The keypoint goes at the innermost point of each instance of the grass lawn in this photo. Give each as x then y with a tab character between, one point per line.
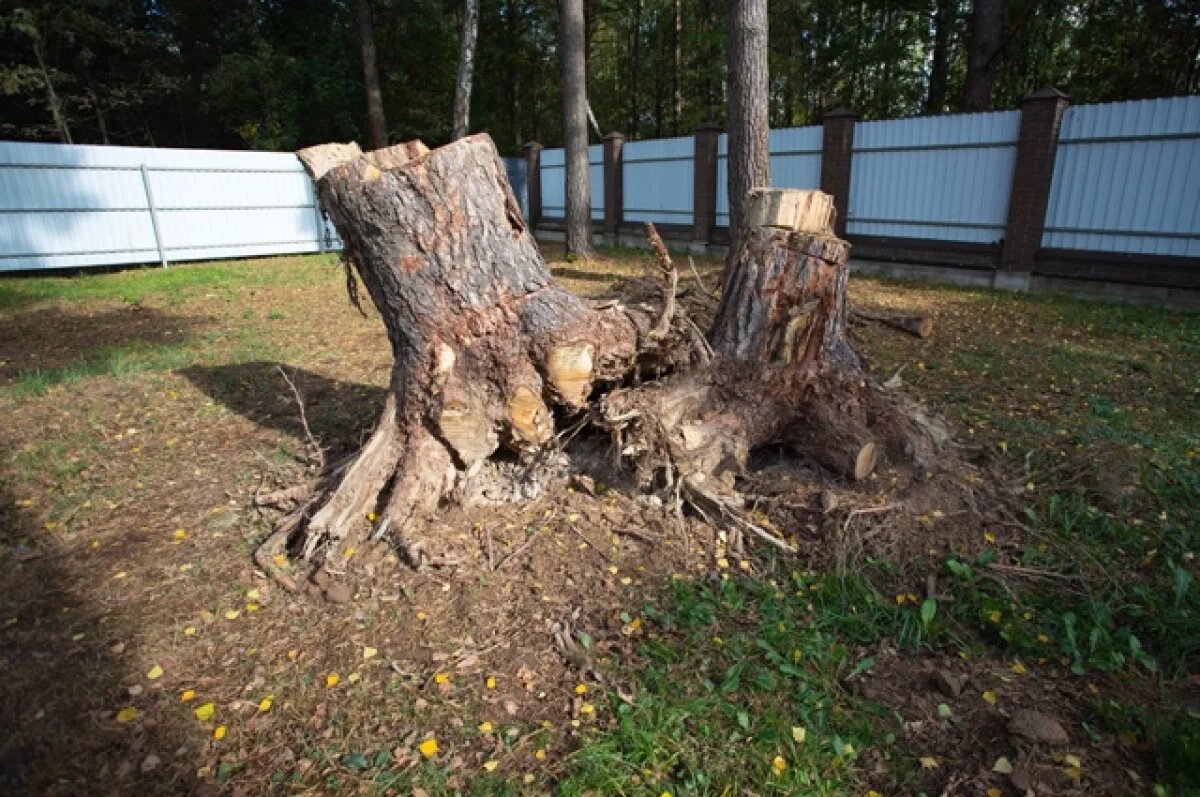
142	653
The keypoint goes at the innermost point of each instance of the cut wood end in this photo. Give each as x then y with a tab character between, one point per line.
791	209
925	327
531	420
569	372
320	159
864	463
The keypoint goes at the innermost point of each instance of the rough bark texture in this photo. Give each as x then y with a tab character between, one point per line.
466	68
489	352
987	20
578	190
376	126
749	164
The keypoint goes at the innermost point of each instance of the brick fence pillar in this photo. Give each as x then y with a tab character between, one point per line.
704	185
533	184
1033	172
836	144
614	185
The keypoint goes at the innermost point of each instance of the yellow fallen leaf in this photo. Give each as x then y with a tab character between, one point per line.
332	680
901	598
993	792
1074	773
205	712
429	747
587	708
779	766
441	678
232	614
354	678
369	653
1072	760
127	714
928	762
180	535
219	732
490	765
422	615
264	705
348	552
252	594
581	689
798	734
251	608
994	616
540	755
1003	766
187	695
280	559
485	727
189	631
490	683
1019	668
989	697
293	654
155	673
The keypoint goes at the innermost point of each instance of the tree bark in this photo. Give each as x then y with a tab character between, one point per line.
489	351
749	164
466	68
376	125
939	68
987	21
578	189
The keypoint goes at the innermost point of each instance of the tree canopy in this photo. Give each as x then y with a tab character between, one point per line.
270	74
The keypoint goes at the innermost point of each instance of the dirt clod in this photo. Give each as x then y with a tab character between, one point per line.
950	684
338	593
1037	727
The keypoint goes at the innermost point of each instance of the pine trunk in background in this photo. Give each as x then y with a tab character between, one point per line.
987	21
749	163
466	68
944	15
364	27
578	189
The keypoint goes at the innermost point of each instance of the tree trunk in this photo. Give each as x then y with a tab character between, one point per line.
376	126
749	164
987	20
466	68
489	352
939	68
578	189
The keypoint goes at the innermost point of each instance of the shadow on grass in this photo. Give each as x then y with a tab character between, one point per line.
65	678
52	344
339	413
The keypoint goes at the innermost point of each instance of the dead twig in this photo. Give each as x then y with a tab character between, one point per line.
703	289
513	554
312	441
671	276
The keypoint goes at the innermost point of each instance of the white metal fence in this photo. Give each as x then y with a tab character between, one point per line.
75	206
1127	178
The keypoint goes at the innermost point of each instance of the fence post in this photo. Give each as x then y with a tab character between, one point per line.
158	241
614	186
837	142
704	185
1033	173
533	184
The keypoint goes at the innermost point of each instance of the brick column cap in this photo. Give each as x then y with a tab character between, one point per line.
614	135
710	127
1044	94
532	145
840	112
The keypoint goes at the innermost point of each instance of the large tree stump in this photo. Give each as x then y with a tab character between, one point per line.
490	352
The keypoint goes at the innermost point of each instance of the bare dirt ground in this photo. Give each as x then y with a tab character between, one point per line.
143	653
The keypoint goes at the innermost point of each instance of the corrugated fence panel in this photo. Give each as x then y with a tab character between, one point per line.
795	163
75	206
553	168
1127	178
941	177
657	180
514	169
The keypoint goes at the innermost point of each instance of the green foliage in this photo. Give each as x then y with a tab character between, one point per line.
256	74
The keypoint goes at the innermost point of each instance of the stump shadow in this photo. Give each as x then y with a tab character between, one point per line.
55	339
65	677
339	412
